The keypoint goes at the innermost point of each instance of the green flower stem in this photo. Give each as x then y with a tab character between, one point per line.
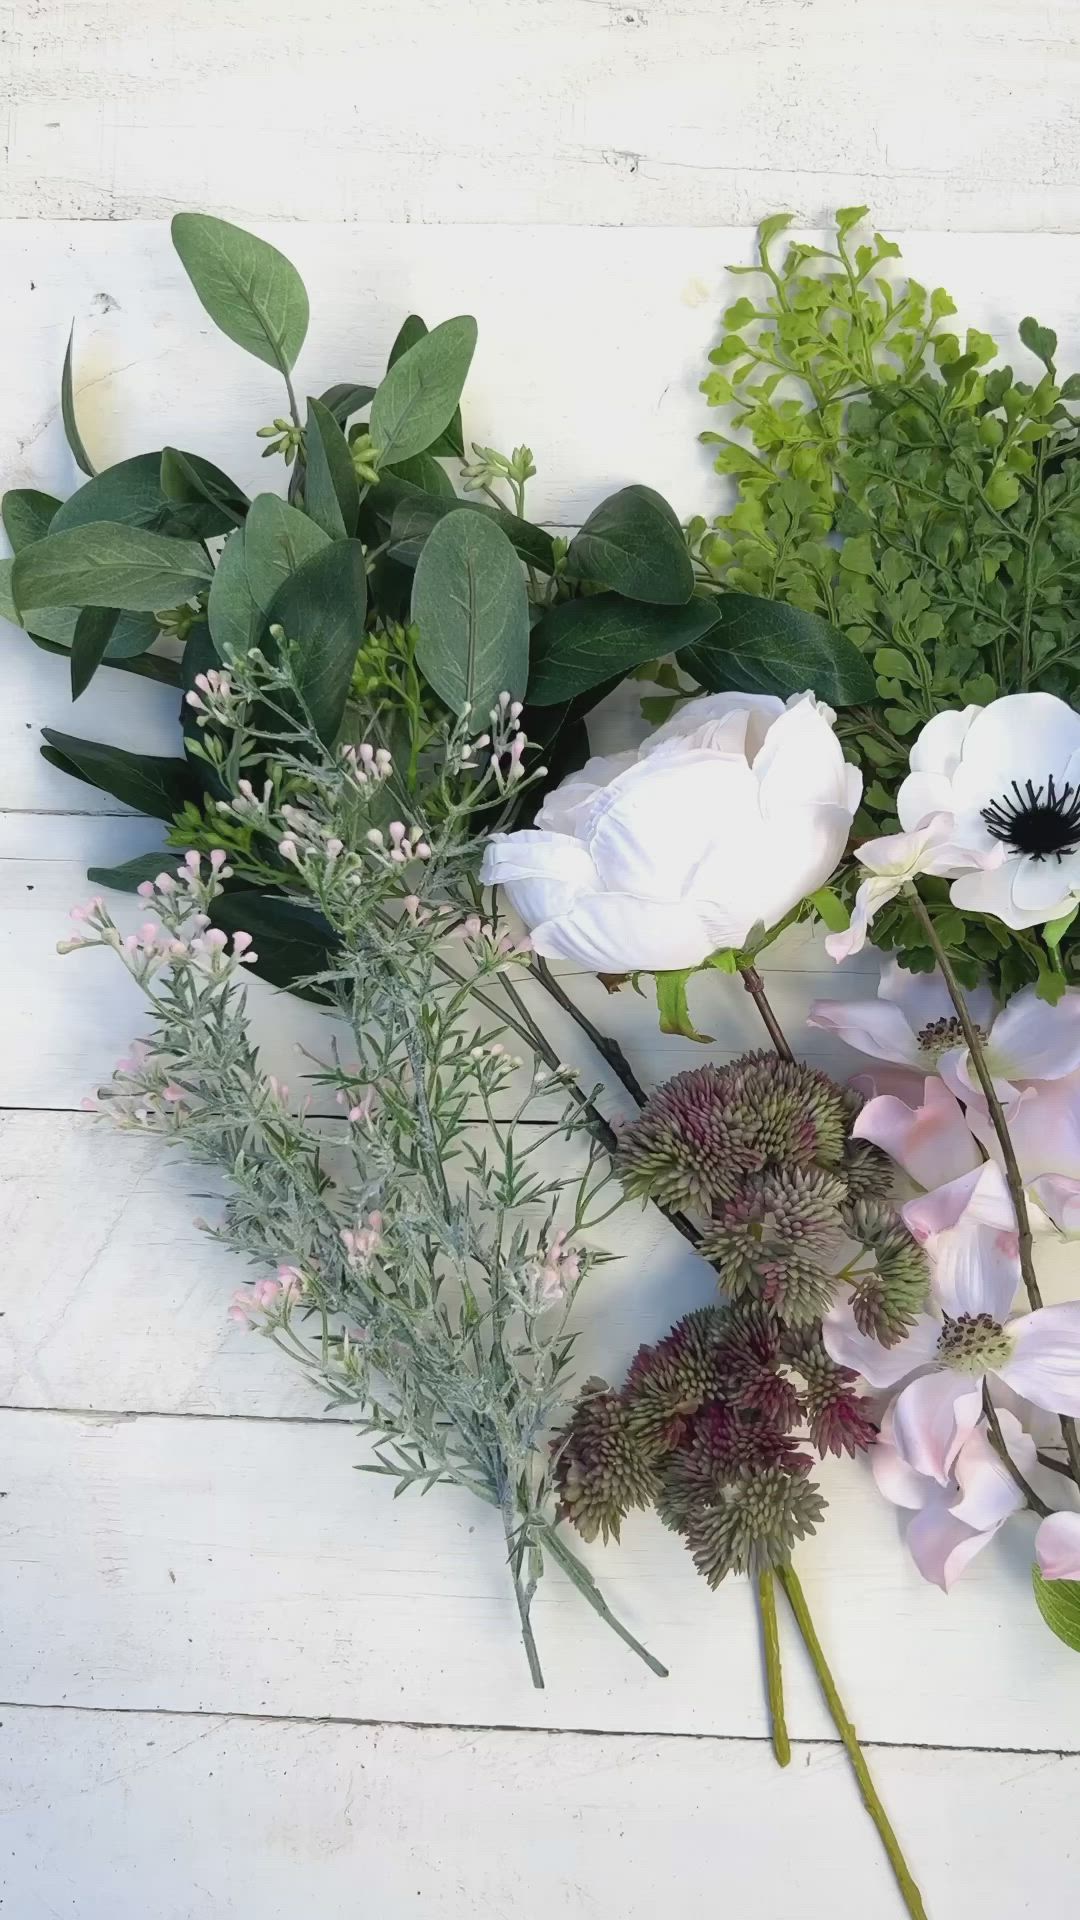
523	1599
774	1679
792	1586
579	1573
1004	1138
755	987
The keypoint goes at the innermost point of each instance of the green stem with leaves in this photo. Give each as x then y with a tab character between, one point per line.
792	1586
1000	1125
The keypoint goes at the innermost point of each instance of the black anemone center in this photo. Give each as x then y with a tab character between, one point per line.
1042	821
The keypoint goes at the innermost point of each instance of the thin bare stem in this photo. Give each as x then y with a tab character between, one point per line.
1004	1139
755	987
607	1048
774	1679
792	1586
997	1441
578	1572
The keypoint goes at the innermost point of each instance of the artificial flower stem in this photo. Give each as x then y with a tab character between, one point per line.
997	1441
774	1679
755	987
607	1048
1004	1139
576	1570
792	1586
520	1595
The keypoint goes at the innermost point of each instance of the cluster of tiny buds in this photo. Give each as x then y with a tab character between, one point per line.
495	1052
362	1242
399	844
496	950
558	1269
367	764
268	1301
504	745
359	1111
151	946
211	697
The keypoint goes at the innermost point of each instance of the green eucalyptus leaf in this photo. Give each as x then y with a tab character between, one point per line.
417	398
93	631
451	442
67	411
27	515
345	399
766	646
331	490
187	480
472	611
274	542
149	783
581	643
131	492
633	543
673	1006
56	625
107	564
291	939
321	608
412	515
131	636
248	288
425	472
1059	1603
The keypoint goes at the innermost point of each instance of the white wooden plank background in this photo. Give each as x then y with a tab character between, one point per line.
233	1675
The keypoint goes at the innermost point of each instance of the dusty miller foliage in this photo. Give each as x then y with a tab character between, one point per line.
426	1266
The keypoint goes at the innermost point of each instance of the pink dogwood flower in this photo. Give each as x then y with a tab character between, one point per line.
954	1521
1057	1546
911	1023
968	1228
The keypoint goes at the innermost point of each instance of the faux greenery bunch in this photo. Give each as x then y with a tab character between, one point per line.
920	498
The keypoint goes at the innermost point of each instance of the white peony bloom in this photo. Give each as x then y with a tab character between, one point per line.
1009	775
723	819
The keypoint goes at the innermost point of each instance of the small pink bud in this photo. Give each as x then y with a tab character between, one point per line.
145	889
218	859
241	942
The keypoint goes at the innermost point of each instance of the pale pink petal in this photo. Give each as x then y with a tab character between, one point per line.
968	1228
941	1546
896	1480
1057	1547
923	998
880	1366
1031	1040
988	1492
875	1027
980	1198
1058	1194
932	1418
901	1083
931	1142
1045	1361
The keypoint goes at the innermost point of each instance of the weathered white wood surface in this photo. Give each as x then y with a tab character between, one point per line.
597	111
182	1531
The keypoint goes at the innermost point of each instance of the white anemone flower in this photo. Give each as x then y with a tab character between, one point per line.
1009	774
722	820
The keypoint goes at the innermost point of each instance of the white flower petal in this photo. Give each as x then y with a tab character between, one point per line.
968	1228
564	805
990	890
932	1418
1031	1040
542	874
1057	1546
879	1366
873	894
920	796
723	722
653	830
1045	1361
1023	736
621	933
1046	887
801	763
941	742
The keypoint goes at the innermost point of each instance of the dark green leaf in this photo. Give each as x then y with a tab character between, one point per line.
1059	1603
130	875
426	473
470	605
345	399
583	642
411	515
188	480
292	940
93	631
451	442
248	288
67	411
55	625
633	543
331	492
321	609
131	636
417	398
275	540
764	646
107	564
27	515
144	781
132	492
152	666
